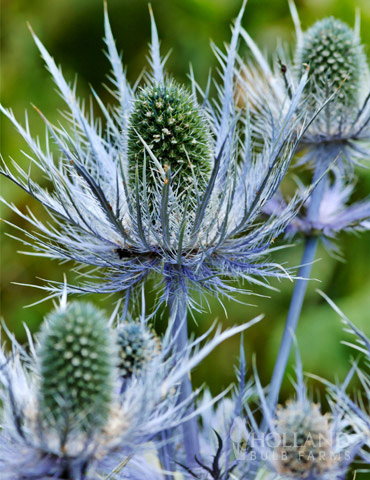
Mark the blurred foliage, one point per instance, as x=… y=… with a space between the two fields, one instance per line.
x=72 y=31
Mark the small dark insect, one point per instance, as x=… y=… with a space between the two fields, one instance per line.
x=283 y=71
x=283 y=68
x=123 y=253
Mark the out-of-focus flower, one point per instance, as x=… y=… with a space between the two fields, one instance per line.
x=335 y=213
x=68 y=413
x=338 y=88
x=335 y=56
x=304 y=447
x=137 y=345
x=296 y=441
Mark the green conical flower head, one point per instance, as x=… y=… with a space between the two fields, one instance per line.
x=76 y=368
x=335 y=57
x=305 y=445
x=169 y=121
x=137 y=346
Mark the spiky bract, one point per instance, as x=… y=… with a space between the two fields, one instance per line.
x=76 y=367
x=358 y=409
x=167 y=118
x=124 y=234
x=335 y=214
x=137 y=346
x=336 y=99
x=334 y=55
x=305 y=448
x=33 y=448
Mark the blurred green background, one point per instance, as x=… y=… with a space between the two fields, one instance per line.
x=72 y=30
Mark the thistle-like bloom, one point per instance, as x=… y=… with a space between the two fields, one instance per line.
x=297 y=442
x=60 y=413
x=167 y=119
x=68 y=413
x=338 y=88
x=171 y=187
x=335 y=215
x=310 y=444
x=137 y=347
x=304 y=447
x=76 y=368
x=335 y=56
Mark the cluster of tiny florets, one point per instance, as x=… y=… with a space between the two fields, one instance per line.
x=76 y=368
x=305 y=446
x=137 y=345
x=335 y=58
x=171 y=124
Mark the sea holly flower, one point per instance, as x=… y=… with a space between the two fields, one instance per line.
x=60 y=411
x=64 y=411
x=310 y=444
x=305 y=443
x=337 y=102
x=167 y=120
x=337 y=64
x=76 y=368
x=336 y=59
x=337 y=90
x=153 y=370
x=335 y=213
x=171 y=187
x=298 y=441
x=137 y=346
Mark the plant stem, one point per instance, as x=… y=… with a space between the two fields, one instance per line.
x=166 y=456
x=299 y=291
x=292 y=320
x=178 y=315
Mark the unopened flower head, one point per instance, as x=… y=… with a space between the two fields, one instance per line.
x=335 y=111
x=335 y=58
x=305 y=448
x=65 y=414
x=137 y=346
x=167 y=129
x=60 y=409
x=76 y=368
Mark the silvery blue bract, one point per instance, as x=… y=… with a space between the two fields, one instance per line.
x=125 y=208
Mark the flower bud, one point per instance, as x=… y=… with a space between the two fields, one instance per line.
x=171 y=124
x=305 y=445
x=76 y=368
x=335 y=57
x=137 y=346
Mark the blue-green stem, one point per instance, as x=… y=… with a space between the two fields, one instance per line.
x=167 y=455
x=299 y=290
x=178 y=318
